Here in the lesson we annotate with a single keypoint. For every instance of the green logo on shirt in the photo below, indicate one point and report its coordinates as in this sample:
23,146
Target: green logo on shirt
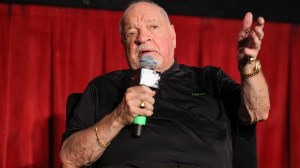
198,94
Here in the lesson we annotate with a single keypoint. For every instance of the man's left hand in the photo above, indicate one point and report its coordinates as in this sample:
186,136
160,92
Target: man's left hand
249,42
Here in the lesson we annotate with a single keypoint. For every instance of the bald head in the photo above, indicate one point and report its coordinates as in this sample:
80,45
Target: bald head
135,4
146,30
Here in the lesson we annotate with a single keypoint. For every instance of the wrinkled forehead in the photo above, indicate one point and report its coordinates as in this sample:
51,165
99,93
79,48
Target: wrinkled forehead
142,11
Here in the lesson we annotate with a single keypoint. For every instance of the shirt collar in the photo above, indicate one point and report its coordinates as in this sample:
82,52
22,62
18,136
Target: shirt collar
173,69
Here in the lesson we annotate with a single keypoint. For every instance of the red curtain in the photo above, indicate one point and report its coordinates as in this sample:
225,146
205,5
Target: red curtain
49,52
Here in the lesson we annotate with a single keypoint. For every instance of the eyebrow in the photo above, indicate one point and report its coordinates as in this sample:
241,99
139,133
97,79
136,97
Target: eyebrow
146,20
150,20
130,27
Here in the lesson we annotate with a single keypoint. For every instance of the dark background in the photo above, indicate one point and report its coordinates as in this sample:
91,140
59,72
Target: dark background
271,10
48,51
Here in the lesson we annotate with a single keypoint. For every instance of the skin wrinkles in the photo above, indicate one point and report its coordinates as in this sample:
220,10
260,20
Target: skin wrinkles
142,49
146,31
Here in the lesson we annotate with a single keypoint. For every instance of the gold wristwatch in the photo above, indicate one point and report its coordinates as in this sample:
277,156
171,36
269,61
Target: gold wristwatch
256,70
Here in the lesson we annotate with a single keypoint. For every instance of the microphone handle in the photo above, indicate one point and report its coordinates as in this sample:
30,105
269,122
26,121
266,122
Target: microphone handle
138,122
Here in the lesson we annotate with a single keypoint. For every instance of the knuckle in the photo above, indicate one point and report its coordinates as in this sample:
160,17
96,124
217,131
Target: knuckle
127,98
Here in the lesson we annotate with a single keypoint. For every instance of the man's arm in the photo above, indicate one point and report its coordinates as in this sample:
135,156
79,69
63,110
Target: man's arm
82,148
255,95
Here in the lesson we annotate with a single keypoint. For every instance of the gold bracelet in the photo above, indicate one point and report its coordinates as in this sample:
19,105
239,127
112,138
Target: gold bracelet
251,74
256,69
98,140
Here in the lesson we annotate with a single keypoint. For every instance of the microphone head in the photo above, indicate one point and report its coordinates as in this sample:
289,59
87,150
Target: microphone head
148,62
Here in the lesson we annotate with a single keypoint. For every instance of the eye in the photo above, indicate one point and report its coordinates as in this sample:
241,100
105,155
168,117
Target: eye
154,27
130,35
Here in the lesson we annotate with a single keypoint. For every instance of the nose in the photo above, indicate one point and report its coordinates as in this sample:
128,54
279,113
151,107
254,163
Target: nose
142,37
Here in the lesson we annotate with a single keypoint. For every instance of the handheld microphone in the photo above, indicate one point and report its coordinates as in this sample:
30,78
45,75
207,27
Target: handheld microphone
150,78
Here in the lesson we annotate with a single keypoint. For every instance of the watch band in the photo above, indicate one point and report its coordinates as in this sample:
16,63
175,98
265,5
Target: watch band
256,70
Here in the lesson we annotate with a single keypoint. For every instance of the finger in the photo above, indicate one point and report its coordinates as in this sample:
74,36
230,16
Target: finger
246,26
258,29
256,42
259,33
145,112
138,91
247,21
146,98
145,89
146,105
140,103
251,52
137,111
126,112
260,22
135,95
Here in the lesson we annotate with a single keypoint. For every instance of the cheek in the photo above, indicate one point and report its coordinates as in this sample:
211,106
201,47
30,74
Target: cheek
159,60
132,49
166,43
133,63
166,48
132,57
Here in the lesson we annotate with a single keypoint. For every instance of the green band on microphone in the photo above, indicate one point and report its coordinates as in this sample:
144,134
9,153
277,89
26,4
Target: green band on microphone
141,120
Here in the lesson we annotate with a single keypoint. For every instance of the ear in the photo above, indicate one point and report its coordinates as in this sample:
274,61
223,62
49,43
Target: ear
173,35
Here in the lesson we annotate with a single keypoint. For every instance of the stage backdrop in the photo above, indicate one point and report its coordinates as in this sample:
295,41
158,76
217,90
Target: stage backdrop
49,52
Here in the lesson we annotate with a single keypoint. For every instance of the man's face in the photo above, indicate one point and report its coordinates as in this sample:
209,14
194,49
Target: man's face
146,32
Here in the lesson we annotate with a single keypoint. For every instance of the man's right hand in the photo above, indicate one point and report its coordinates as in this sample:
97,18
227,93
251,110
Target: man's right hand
129,107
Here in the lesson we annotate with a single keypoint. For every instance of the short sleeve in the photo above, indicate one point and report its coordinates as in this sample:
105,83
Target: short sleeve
231,97
84,114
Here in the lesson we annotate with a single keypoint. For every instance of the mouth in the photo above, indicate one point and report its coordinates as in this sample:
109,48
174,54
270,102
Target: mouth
144,52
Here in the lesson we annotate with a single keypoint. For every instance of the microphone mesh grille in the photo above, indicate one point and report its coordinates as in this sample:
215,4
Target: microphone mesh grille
148,62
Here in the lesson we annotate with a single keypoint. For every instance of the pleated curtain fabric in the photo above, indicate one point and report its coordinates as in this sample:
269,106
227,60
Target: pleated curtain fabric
48,53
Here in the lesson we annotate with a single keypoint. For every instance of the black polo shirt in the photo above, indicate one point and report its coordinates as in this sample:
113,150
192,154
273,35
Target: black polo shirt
195,112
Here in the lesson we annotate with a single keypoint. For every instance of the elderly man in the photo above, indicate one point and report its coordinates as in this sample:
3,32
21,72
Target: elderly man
191,117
